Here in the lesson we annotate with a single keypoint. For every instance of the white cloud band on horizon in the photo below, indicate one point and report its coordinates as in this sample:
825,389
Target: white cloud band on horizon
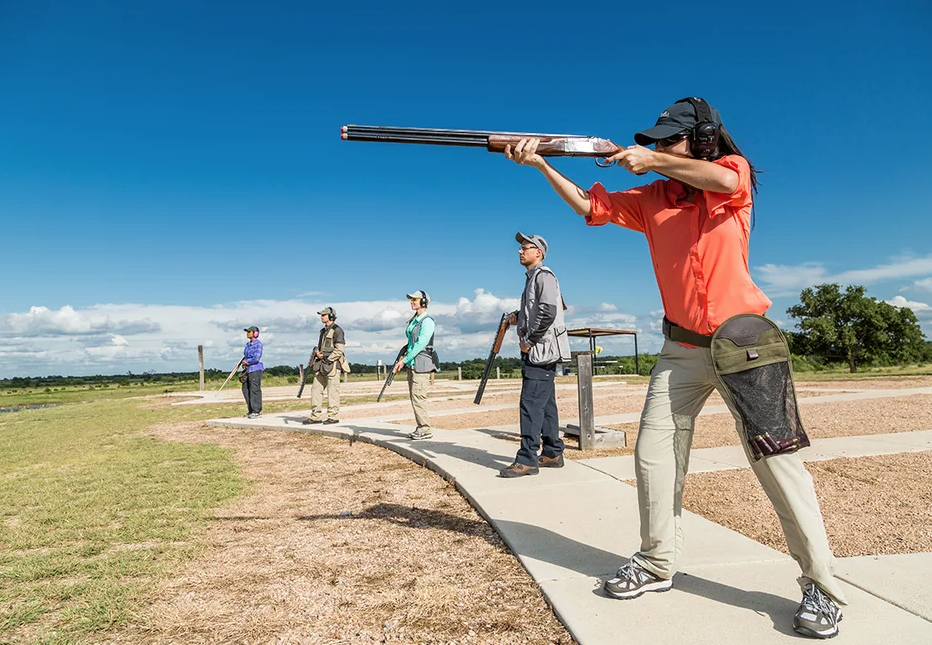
116,338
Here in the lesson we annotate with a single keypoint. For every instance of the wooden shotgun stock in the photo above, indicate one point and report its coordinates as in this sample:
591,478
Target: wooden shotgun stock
496,349
391,373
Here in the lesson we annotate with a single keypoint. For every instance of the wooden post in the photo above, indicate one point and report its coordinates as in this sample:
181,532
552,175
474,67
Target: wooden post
301,371
498,373
200,362
459,373
432,377
586,414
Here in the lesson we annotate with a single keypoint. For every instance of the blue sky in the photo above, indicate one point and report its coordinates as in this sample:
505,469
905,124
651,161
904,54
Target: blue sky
170,171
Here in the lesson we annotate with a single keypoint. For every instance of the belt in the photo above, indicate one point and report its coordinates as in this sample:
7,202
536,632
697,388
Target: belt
681,335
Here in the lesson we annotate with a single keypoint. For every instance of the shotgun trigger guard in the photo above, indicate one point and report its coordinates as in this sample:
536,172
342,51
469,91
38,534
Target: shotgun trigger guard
600,162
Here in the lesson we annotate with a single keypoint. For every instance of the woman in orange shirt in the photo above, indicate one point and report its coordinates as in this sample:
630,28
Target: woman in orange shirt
697,223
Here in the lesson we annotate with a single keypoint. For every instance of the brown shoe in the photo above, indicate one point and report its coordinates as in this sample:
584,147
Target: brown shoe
308,422
550,462
329,421
518,470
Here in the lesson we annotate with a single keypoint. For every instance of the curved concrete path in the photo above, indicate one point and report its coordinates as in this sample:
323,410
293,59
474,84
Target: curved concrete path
571,528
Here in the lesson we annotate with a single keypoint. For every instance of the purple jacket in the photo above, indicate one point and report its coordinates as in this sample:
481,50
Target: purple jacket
252,353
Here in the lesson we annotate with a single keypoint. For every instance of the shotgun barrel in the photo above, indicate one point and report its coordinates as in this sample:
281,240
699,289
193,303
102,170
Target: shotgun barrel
551,145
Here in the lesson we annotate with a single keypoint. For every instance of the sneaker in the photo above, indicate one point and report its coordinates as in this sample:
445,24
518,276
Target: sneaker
550,462
308,422
632,580
518,470
818,615
330,421
252,415
421,434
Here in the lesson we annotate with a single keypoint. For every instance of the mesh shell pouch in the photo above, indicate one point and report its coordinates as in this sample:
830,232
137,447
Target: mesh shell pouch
752,362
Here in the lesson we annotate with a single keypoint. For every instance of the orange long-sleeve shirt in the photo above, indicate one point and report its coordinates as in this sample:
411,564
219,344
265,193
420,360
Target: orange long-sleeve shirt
699,248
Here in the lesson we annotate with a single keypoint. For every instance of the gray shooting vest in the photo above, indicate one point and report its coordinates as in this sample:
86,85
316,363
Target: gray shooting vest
554,347
426,360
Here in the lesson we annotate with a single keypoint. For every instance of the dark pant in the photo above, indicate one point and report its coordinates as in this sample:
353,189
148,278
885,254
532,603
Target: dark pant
252,391
538,413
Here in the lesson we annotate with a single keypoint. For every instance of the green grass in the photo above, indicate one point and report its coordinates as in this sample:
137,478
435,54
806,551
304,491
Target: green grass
94,512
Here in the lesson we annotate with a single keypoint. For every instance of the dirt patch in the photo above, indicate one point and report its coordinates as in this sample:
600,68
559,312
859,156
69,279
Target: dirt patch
871,505
343,543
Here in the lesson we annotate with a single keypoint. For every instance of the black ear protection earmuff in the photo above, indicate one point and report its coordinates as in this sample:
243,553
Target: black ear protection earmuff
703,139
332,315
424,298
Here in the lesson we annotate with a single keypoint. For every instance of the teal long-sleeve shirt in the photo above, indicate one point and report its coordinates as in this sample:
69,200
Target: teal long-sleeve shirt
423,337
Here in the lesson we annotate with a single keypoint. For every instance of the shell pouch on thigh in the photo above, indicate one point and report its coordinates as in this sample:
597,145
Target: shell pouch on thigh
752,362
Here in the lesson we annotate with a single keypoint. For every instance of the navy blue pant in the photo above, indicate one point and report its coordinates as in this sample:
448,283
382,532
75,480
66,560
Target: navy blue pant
539,421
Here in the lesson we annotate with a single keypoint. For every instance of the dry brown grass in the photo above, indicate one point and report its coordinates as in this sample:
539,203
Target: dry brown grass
343,543
871,505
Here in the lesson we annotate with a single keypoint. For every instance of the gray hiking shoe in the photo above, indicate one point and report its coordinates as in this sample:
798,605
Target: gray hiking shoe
818,615
632,580
421,433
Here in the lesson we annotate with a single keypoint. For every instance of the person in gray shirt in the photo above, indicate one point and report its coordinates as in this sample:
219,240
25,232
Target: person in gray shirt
544,343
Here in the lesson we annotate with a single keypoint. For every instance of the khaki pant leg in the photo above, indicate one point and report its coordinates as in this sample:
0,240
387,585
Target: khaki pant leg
333,395
417,389
680,383
790,489
317,395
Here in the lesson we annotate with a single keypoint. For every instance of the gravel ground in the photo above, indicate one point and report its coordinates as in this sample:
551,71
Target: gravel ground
606,401
821,420
347,543
871,505
869,383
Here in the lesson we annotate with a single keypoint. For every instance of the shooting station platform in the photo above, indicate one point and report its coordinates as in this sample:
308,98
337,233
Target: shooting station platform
594,332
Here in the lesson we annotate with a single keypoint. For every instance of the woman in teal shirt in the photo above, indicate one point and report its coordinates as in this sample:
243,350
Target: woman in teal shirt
420,359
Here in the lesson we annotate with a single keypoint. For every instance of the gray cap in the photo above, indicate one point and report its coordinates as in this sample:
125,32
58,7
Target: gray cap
327,310
536,240
679,117
253,328
416,295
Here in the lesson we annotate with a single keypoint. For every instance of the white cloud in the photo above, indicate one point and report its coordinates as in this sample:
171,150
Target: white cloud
116,338
900,301
42,321
925,283
788,280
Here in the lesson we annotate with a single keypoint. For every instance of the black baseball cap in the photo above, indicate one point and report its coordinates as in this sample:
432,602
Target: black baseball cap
675,119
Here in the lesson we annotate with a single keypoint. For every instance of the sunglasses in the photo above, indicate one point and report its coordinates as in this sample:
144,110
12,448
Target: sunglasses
672,141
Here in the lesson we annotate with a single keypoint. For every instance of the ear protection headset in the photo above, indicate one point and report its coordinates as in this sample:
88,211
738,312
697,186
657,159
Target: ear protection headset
424,298
332,315
703,139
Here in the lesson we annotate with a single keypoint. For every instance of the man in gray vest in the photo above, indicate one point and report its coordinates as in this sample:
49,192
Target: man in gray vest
544,343
329,362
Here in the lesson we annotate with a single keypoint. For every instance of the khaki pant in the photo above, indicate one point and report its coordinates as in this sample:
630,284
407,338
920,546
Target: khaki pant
332,383
680,383
417,388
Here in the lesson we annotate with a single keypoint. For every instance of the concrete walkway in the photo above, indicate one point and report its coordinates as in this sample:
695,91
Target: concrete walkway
572,528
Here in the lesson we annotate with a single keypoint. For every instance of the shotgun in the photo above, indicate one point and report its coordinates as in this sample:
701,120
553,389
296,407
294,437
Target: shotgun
391,373
551,145
310,365
496,348
230,376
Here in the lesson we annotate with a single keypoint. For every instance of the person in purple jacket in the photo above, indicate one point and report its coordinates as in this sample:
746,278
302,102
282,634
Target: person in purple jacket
252,365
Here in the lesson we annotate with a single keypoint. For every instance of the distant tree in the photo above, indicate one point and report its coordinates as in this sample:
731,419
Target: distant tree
853,328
